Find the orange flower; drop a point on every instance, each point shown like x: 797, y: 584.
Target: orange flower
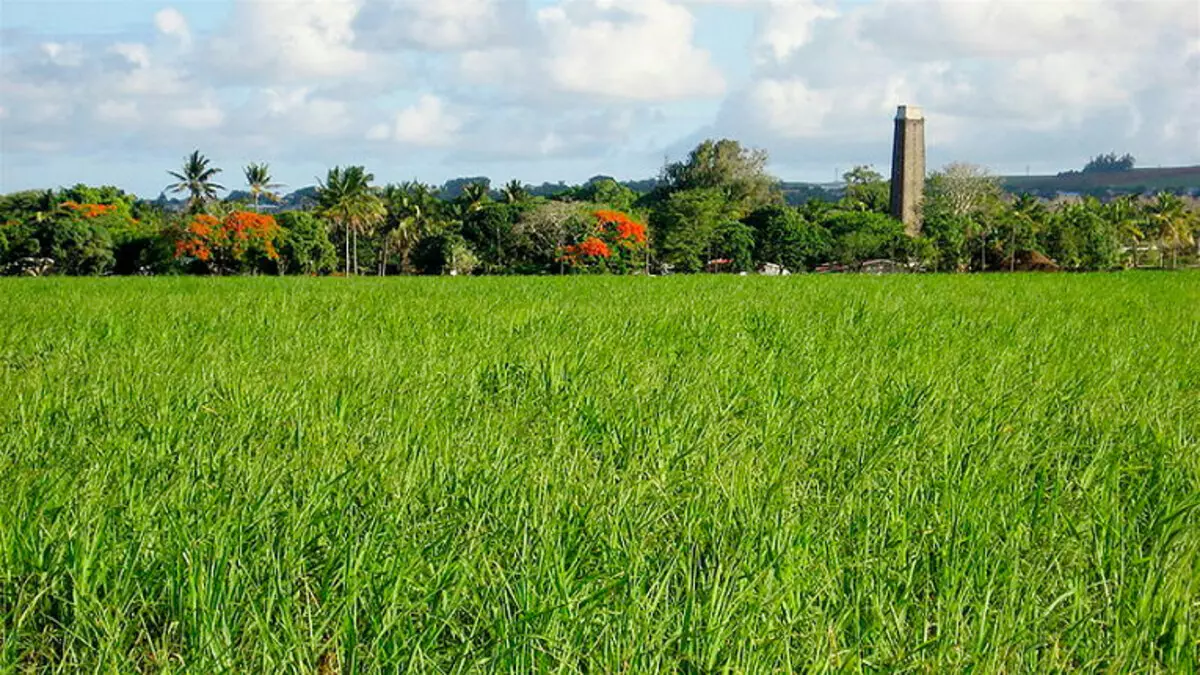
x: 627, y: 230
x: 89, y: 210
x: 595, y: 248
x: 206, y: 236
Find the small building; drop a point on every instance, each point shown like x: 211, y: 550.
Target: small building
x: 718, y: 265
x: 829, y: 268
x: 882, y: 266
x: 773, y: 270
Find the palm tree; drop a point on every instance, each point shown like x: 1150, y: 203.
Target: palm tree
x: 196, y: 179
x: 258, y: 177
x: 514, y: 192
x: 1173, y: 223
x: 474, y: 196
x: 1126, y: 215
x: 346, y: 198
x: 408, y: 209
x: 1026, y: 214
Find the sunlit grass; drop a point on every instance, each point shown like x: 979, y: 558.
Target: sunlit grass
x: 600, y: 474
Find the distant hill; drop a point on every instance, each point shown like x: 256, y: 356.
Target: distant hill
x: 1183, y: 179
x: 1177, y: 179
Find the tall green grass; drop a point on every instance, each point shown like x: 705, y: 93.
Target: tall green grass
x: 927, y: 473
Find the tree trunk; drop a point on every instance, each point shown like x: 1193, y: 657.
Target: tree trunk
x: 347, y: 250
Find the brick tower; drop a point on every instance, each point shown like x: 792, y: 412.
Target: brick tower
x: 908, y: 168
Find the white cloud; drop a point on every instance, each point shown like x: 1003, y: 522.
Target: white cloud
x: 63, y: 54
x: 302, y: 112
x: 201, y: 117
x: 427, y: 123
x: 596, y: 82
x: 997, y: 77
x: 790, y: 26
x: 483, y: 66
x: 117, y: 112
x: 171, y: 22
x: 136, y: 54
x: 790, y: 107
x: 441, y: 25
x: 288, y: 42
x: 633, y: 49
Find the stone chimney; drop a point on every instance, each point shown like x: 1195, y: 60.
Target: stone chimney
x: 908, y: 168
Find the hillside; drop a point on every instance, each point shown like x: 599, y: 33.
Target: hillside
x: 1178, y: 179
x: 1173, y: 179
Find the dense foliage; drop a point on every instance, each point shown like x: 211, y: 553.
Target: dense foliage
x: 1109, y: 163
x: 928, y: 474
x: 716, y: 210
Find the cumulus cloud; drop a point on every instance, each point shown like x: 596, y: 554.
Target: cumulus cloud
x: 999, y: 79
x: 294, y: 41
x: 444, y: 25
x: 117, y: 112
x: 171, y: 22
x: 637, y: 49
x: 427, y: 123
x: 596, y: 82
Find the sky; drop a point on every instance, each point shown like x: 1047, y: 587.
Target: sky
x: 116, y: 92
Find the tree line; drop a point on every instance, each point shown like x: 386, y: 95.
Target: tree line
x: 717, y: 210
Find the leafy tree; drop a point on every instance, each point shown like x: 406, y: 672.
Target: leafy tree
x: 1018, y: 227
x: 488, y: 228
x: 550, y: 226
x: 20, y: 214
x: 453, y: 189
x: 304, y: 243
x: 1109, y: 163
x: 121, y: 203
x: 864, y: 235
x: 614, y: 244
x: 444, y: 252
x: 610, y: 193
x: 410, y: 207
x: 241, y: 240
x: 739, y: 174
x: 347, y: 200
x: 965, y: 188
x: 866, y: 190
x: 948, y: 236
x: 685, y: 225
x: 1080, y: 237
x: 196, y: 179
x: 1129, y: 220
x: 734, y: 241
x: 784, y: 237
x: 78, y: 244
x: 141, y: 244
x: 27, y: 205
x: 971, y: 196
x: 515, y: 193
x: 258, y: 177
x: 461, y: 259
x: 1172, y: 222
x: 473, y: 197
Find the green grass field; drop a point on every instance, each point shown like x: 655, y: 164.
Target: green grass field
x: 926, y: 473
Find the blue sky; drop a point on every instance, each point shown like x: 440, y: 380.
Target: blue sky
x: 110, y: 92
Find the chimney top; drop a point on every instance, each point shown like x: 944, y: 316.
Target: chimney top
x: 909, y: 112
